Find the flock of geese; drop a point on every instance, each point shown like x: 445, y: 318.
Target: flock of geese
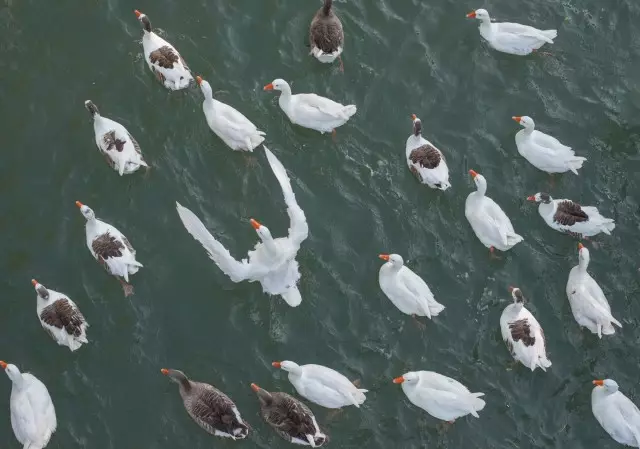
x: 273, y: 263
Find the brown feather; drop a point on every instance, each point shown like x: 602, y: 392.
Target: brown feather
x: 211, y: 409
x: 112, y: 142
x: 289, y: 417
x: 521, y: 330
x: 62, y: 314
x: 164, y: 56
x: 325, y: 31
x: 426, y: 155
x: 569, y: 213
x: 106, y: 246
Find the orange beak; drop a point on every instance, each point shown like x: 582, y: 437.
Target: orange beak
x: 473, y: 173
x: 384, y: 257
x: 398, y: 380
x: 268, y: 87
x: 580, y: 246
x: 79, y: 204
x: 599, y: 383
x: 34, y: 282
x: 255, y: 388
x: 164, y: 371
x: 413, y: 116
x: 471, y: 15
x: 3, y: 365
x: 531, y: 198
x: 137, y: 13
x: 199, y: 80
x: 517, y: 119
x: 255, y: 224
x: 276, y: 364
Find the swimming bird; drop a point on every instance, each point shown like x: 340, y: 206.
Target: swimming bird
x: 615, y: 412
x: 589, y: 305
x: 440, y: 396
x: 110, y: 248
x: 209, y: 407
x: 162, y: 58
x: 405, y: 289
x: 310, y: 110
x: 33, y: 416
x: 290, y: 418
x: 523, y: 334
x: 227, y: 123
x: 326, y: 37
x: 491, y: 225
x: 425, y: 160
x: 569, y: 217
x: 322, y: 385
x: 120, y: 149
x: 545, y: 152
x: 60, y: 317
x: 273, y: 261
x: 511, y: 38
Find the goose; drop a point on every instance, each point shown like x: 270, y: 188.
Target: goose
x: 209, y: 407
x: 405, y: 289
x: 60, y: 317
x: 523, y: 334
x: 326, y: 37
x: 162, y: 58
x: 511, y: 38
x: 425, y: 161
x: 569, y: 217
x: 33, y: 416
x: 615, y: 412
x: 322, y: 385
x: 489, y: 222
x: 227, y: 123
x: 545, y: 152
x: 290, y: 418
x: 589, y: 305
x: 310, y: 110
x: 440, y: 396
x: 120, y: 149
x: 273, y: 261
x: 110, y: 248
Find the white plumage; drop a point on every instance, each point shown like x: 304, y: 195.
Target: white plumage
x: 425, y: 160
x: 615, y: 412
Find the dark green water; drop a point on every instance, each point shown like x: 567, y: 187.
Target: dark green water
x: 360, y: 199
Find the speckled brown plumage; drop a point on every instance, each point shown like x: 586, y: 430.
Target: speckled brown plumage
x: 61, y: 314
x: 289, y: 417
x: 112, y: 143
x: 521, y: 330
x: 164, y: 56
x: 106, y: 246
x: 325, y: 31
x: 569, y: 213
x: 426, y: 155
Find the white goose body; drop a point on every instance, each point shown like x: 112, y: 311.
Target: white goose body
x: 442, y: 397
x: 615, y: 412
x: 425, y: 160
x: 589, y: 305
x: 311, y: 110
x: 273, y: 261
x: 323, y: 386
x: 60, y: 317
x: 163, y: 59
x: 523, y: 334
x: 489, y: 222
x: 116, y: 143
x: 405, y: 289
x: 33, y: 416
x: 512, y: 38
x: 227, y: 123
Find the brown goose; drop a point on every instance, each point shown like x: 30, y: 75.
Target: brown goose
x: 326, y: 37
x: 291, y: 419
x: 210, y: 408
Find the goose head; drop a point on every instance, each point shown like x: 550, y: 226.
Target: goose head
x: 540, y: 197
x: 176, y: 376
x: 395, y: 260
x: 410, y: 378
x: 86, y: 211
x: 12, y: 371
x: 417, y: 125
x: 92, y: 108
x: 144, y: 20
x: 205, y: 87
x: 278, y: 84
x: 263, y: 395
x: 479, y: 180
x: 41, y: 290
x: 262, y: 231
x: 609, y: 385
x: 516, y: 294
x: 583, y: 256
x: 287, y: 365
x: 480, y: 14
x: 525, y: 121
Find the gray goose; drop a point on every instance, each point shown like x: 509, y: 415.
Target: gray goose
x: 326, y: 37
x: 290, y: 418
x: 210, y: 408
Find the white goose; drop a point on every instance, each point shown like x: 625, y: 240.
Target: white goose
x: 33, y: 416
x: 110, y: 248
x: 569, y: 217
x: 440, y: 396
x: 545, y: 152
x: 60, y: 317
x: 491, y: 225
x: 162, y: 58
x: 406, y: 290
x: 322, y: 385
x: 311, y: 110
x: 589, y: 305
x: 227, y: 123
x: 116, y: 143
x: 512, y: 38
x: 615, y: 412
x: 273, y: 261
x: 523, y: 334
x: 425, y: 160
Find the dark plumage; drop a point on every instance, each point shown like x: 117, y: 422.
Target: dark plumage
x: 106, y: 246
x: 61, y: 314
x: 426, y: 155
x: 521, y: 330
x: 569, y: 213
x: 164, y: 56
x: 113, y: 143
x: 325, y: 31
